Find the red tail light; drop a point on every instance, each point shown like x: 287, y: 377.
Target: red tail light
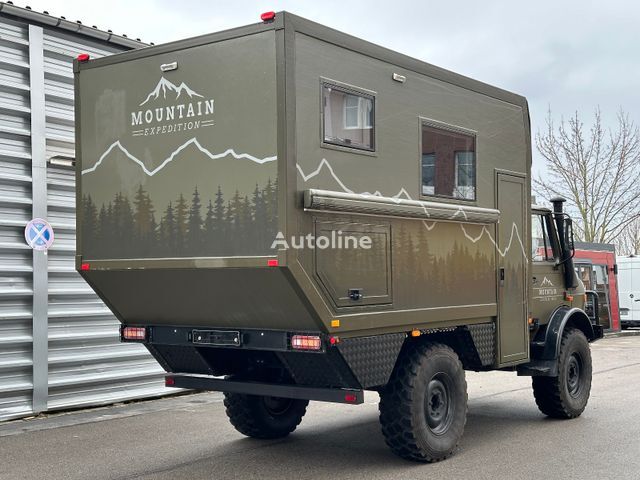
x: 273, y: 262
x: 169, y: 381
x: 306, y: 342
x: 134, y: 333
x: 350, y: 398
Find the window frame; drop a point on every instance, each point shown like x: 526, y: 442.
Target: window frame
x: 360, y: 117
x: 356, y: 91
x: 422, y: 185
x: 546, y: 239
x: 438, y: 125
x: 548, y: 227
x: 456, y: 176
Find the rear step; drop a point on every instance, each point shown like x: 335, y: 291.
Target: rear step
x: 204, y: 382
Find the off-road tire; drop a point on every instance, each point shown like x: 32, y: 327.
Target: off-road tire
x: 254, y: 415
x: 566, y: 395
x: 406, y: 411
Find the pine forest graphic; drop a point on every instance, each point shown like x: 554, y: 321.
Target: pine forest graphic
x: 187, y: 226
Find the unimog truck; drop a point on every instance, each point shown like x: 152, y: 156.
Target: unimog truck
x: 284, y: 213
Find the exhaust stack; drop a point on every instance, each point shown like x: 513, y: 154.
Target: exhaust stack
x: 567, y: 254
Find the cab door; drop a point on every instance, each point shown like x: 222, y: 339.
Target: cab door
x: 547, y: 281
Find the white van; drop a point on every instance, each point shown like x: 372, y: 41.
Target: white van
x: 629, y: 291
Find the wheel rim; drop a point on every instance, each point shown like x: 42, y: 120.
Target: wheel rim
x: 439, y: 404
x: 277, y: 405
x: 574, y: 370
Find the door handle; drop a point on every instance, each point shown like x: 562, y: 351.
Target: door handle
x: 502, y: 276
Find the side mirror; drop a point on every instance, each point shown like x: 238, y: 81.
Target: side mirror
x: 591, y: 307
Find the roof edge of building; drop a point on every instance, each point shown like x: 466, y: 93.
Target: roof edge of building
x: 70, y: 26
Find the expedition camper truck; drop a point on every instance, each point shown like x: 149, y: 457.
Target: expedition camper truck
x: 196, y: 158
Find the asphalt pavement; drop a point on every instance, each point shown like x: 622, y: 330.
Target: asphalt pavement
x: 189, y: 437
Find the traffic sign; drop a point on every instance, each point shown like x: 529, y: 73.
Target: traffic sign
x: 39, y: 234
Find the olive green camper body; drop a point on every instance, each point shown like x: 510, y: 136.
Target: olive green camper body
x: 225, y: 135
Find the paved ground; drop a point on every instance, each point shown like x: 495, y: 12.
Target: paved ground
x: 189, y: 437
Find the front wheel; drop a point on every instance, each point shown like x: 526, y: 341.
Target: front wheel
x: 264, y: 417
x: 566, y: 395
x: 423, y: 409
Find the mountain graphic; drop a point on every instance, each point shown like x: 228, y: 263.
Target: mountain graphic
x: 190, y: 165
x: 546, y: 283
x: 165, y: 86
x: 193, y: 141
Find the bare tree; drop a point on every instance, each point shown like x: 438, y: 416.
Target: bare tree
x: 597, y: 171
x: 628, y: 243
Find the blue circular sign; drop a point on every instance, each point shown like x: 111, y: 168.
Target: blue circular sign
x: 38, y: 234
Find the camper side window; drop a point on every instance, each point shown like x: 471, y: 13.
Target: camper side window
x: 448, y: 163
x: 348, y: 117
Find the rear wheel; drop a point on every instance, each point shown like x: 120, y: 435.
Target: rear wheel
x: 423, y: 409
x: 264, y: 417
x: 566, y: 395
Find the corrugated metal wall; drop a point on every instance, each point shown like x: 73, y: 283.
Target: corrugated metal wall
x: 15, y: 211
x: 79, y: 360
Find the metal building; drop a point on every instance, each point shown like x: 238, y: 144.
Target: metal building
x: 59, y: 344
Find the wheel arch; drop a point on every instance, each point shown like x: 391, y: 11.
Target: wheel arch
x: 562, y: 318
x: 463, y: 341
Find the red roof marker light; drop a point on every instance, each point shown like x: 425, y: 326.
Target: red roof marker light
x: 85, y: 266
x: 83, y: 57
x: 268, y: 16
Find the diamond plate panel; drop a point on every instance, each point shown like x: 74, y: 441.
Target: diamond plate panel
x: 484, y: 339
x: 372, y: 358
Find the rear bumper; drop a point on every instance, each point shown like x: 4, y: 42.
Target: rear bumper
x: 201, y: 382
x: 353, y: 363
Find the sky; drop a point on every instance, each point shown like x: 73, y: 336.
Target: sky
x: 564, y: 55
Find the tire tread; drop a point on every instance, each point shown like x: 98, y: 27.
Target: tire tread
x: 242, y: 413
x: 547, y: 391
x: 396, y: 405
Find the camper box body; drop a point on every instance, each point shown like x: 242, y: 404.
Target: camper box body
x: 193, y: 157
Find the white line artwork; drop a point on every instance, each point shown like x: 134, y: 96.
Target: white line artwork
x: 398, y: 198
x: 193, y: 141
